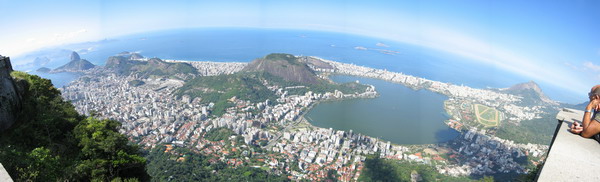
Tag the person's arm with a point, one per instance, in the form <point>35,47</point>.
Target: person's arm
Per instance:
<point>587,118</point>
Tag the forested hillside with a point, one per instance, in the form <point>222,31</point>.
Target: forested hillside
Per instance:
<point>50,141</point>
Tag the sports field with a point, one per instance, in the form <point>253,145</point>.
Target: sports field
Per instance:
<point>486,115</point>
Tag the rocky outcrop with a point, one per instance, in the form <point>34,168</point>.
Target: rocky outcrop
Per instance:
<point>10,99</point>
<point>75,65</point>
<point>75,56</point>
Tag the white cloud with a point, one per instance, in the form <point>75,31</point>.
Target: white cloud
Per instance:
<point>591,66</point>
<point>68,35</point>
<point>477,50</point>
<point>381,44</point>
<point>22,45</point>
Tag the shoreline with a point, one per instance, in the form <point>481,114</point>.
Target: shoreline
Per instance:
<point>294,144</point>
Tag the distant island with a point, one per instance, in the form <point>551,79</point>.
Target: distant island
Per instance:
<point>43,70</point>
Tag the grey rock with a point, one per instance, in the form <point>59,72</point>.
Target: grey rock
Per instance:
<point>75,56</point>
<point>10,98</point>
<point>75,65</point>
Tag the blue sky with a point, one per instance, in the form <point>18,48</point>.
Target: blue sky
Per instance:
<point>555,42</point>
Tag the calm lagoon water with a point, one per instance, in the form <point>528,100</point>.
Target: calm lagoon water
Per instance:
<point>400,115</point>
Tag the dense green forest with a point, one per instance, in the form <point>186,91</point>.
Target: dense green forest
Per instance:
<point>183,165</point>
<point>50,141</point>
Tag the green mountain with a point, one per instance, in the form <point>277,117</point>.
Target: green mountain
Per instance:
<point>286,66</point>
<point>126,65</point>
<point>531,92</point>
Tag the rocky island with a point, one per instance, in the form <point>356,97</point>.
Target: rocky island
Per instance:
<point>75,65</point>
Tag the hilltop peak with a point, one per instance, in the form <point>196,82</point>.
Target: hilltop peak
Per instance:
<point>280,56</point>
<point>75,56</point>
<point>531,85</point>
<point>286,66</point>
<point>75,65</point>
<point>529,90</point>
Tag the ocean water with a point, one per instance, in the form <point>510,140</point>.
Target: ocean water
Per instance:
<point>58,79</point>
<point>399,115</point>
<point>244,45</point>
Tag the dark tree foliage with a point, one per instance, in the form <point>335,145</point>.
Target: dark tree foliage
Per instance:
<point>378,169</point>
<point>50,141</point>
<point>218,134</point>
<point>105,153</point>
<point>537,131</point>
<point>165,166</point>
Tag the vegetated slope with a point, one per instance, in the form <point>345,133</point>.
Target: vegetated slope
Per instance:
<point>50,141</point>
<point>379,169</point>
<point>126,65</point>
<point>181,164</point>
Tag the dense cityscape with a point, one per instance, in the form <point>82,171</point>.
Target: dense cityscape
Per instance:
<point>151,115</point>
<point>299,91</point>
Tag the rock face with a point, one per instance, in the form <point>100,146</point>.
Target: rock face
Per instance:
<point>286,66</point>
<point>75,65</point>
<point>10,99</point>
<point>75,56</point>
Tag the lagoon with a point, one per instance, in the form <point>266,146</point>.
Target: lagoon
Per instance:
<point>400,115</point>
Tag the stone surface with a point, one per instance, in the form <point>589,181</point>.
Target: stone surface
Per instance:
<point>571,157</point>
<point>4,177</point>
<point>10,101</point>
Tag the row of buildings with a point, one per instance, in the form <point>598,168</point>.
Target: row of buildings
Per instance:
<point>150,114</point>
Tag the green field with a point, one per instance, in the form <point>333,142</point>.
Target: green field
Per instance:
<point>486,115</point>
